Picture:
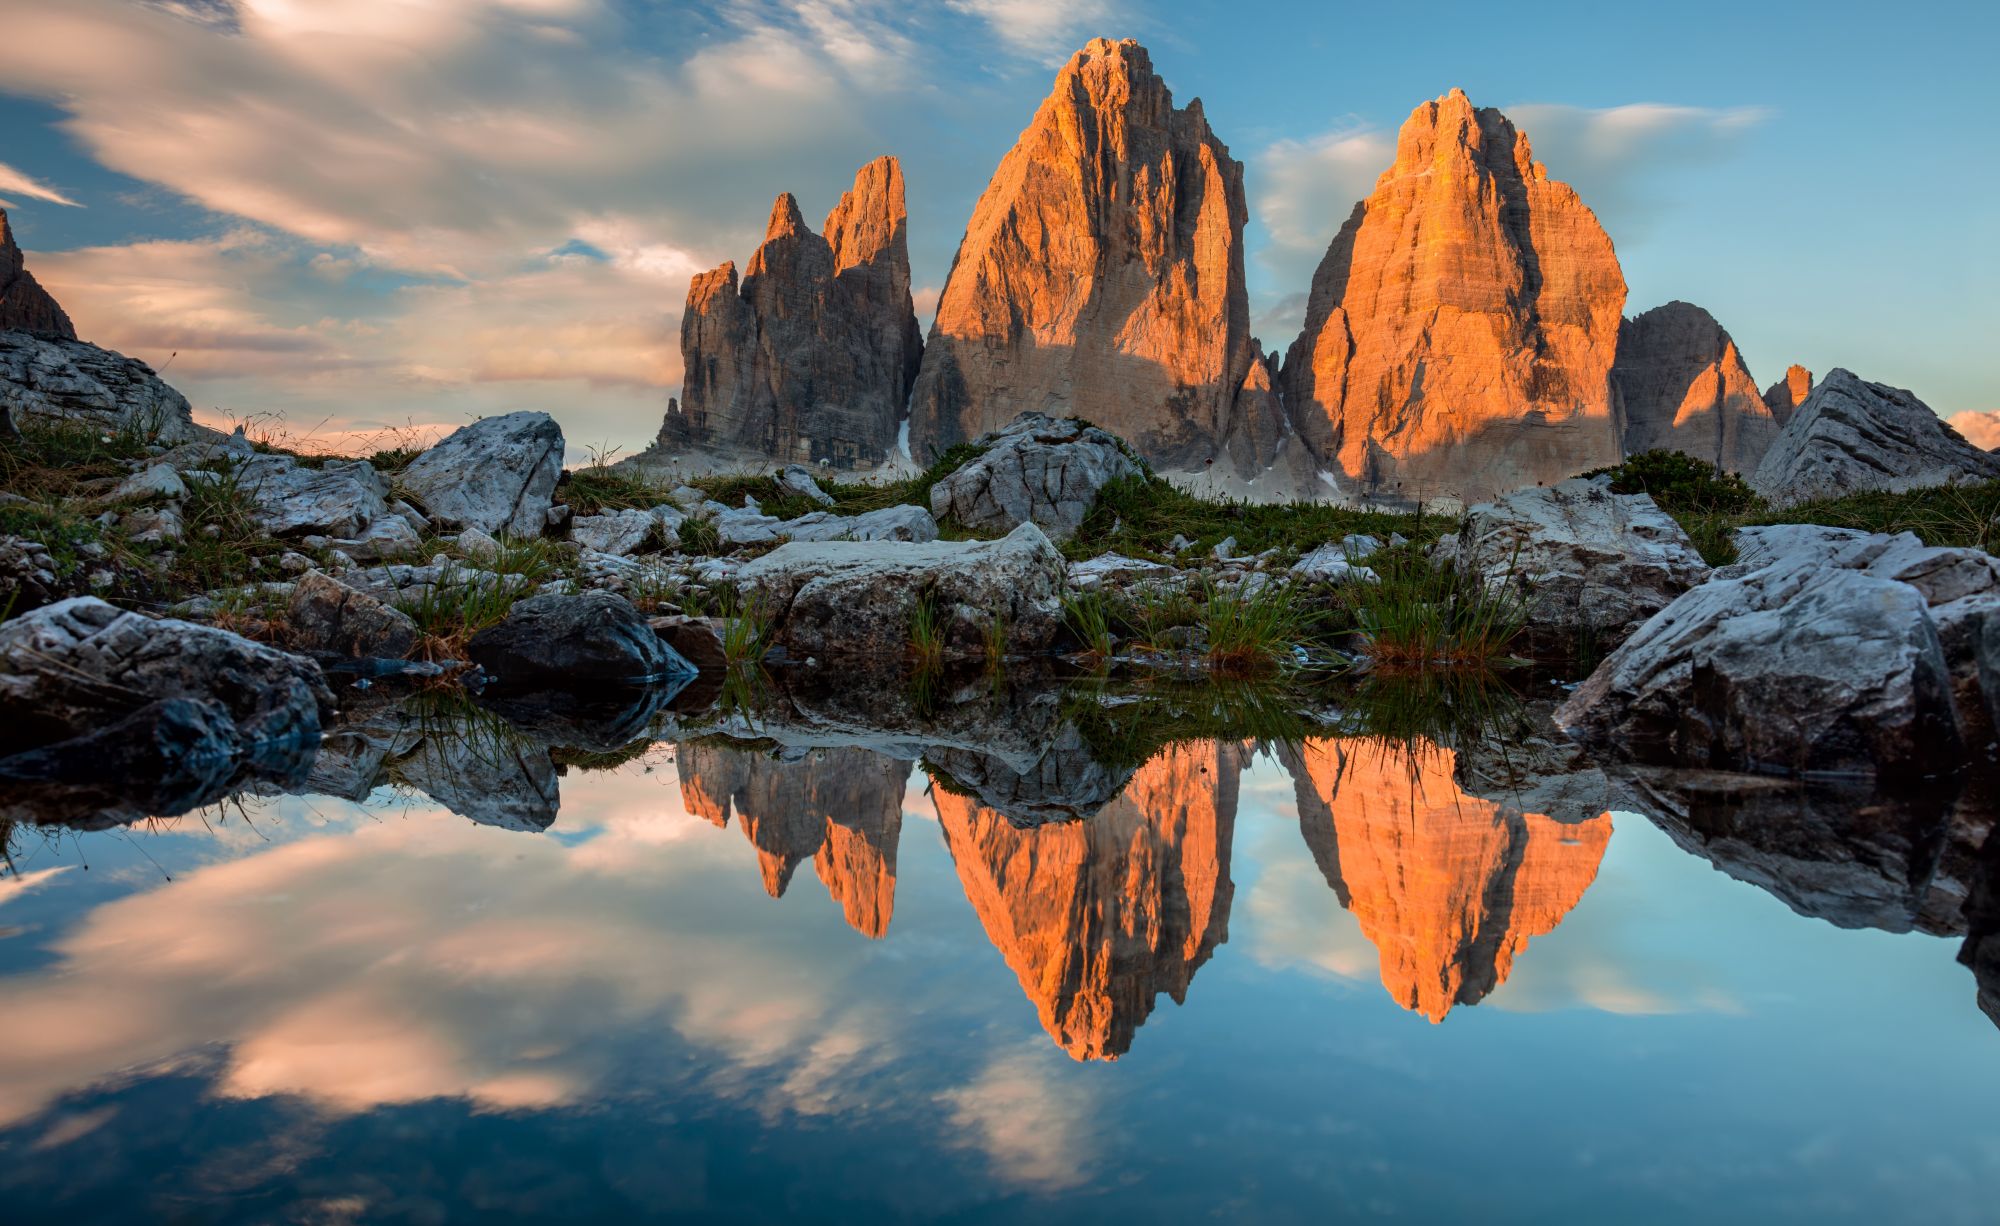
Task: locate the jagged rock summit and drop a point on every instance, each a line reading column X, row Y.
column 1685, row 388
column 1787, row 394
column 1851, row 435
column 811, row 355
column 1461, row 329
column 24, row 305
column 1101, row 275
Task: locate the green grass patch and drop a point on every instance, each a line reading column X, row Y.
column 1253, row 628
column 1421, row 614
column 1963, row 516
column 1140, row 516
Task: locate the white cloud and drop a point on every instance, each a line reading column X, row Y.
column 1047, row 30
column 21, row 183
column 1306, row 188
column 1980, row 428
column 1622, row 159
column 1030, row 1123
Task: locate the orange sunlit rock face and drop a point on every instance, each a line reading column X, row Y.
column 1101, row 274
column 1448, row 887
column 1788, row 393
column 840, row 808
column 1460, row 331
column 1098, row 916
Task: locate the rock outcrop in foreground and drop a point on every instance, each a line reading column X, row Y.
column 1685, row 388
column 1448, row 887
column 811, row 357
column 1035, row 471
column 1461, row 330
column 1102, row 275
column 1098, row 917
column 1851, row 435
column 24, row 305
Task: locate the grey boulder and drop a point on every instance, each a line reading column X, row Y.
column 1592, row 565
column 1851, row 435
column 76, row 665
column 327, row 616
column 557, row 640
column 341, row 499
column 630, row 531
column 498, row 475
column 850, row 598
column 898, row 523
column 1037, row 470
column 63, row 380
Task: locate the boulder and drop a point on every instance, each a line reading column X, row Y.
column 1460, row 331
column 849, row 598
column 1037, row 471
column 1102, row 273
column 1116, row 570
column 1850, row 436
column 899, row 523
column 328, row 617
column 562, row 640
column 498, row 475
column 1794, row 667
column 798, row 479
column 1338, row 561
column 698, row 640
column 628, row 531
column 28, row 571
column 1960, row 589
column 342, row 499
column 54, row 379
column 74, row 666
column 1592, row 564
column 156, row 481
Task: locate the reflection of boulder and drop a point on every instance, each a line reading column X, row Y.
column 478, row 768
column 1064, row 783
column 1097, row 917
column 842, row 808
column 1448, row 887
column 1838, row 850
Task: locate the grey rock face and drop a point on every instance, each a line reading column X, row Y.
column 799, row 480
column 489, row 776
column 1337, row 561
column 1117, row 570
column 698, row 640
column 1960, row 589
column 66, row 380
column 1595, row 564
column 556, row 640
column 79, row 664
column 1686, row 389
column 29, row 572
column 1850, row 435
column 1038, row 471
column 498, row 475
column 1798, row 666
column 328, row 616
column 846, row 598
column 1065, row 783
column 342, row 499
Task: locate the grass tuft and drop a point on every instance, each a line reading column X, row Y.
column 1253, row 628
column 1420, row 614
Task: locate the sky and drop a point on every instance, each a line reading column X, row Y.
column 334, row 218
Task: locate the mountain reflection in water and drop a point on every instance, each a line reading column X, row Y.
column 303, row 1007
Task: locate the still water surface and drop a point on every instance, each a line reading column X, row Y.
column 1264, row 985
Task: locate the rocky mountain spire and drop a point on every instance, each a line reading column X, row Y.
column 1685, row 388
column 811, row 355
column 24, row 305
column 1461, row 329
column 1788, row 393
column 1101, row 275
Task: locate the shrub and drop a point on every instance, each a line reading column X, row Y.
column 1140, row 516
column 1680, row 483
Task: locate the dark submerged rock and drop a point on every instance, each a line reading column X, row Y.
column 554, row 640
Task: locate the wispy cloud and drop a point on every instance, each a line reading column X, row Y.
column 1306, row 188
column 21, row 183
column 1047, row 30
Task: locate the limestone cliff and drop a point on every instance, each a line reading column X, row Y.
column 1448, row 887
column 1101, row 276
column 1098, row 916
column 1461, row 329
column 840, row 808
column 810, row 356
column 24, row 305
column 1685, row 388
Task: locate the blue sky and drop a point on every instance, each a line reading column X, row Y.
column 361, row 213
